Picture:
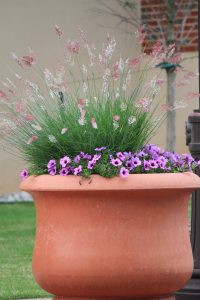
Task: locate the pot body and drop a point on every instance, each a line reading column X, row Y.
column 111, row 242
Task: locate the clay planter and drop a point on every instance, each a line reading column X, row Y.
column 112, row 238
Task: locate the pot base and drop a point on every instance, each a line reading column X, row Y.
column 76, row 298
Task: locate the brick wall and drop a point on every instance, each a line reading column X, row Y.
column 152, row 10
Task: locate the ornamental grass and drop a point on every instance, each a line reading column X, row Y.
column 91, row 118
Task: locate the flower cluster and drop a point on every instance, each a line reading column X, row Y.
column 150, row 159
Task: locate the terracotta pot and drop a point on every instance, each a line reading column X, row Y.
column 105, row 238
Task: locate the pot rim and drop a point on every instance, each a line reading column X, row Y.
column 158, row 181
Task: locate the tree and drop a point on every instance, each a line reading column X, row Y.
column 171, row 21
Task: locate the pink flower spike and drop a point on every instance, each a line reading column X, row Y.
column 28, row 60
column 192, row 95
column 81, row 103
column 116, row 118
column 29, row 118
column 157, row 49
column 134, row 61
column 160, row 81
column 116, row 71
column 18, row 107
column 93, row 123
column 3, row 95
column 143, row 103
column 82, row 117
column 73, row 47
column 32, row 139
column 141, row 34
column 176, row 59
column 58, row 31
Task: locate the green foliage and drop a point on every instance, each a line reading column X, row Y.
column 118, row 112
column 17, row 231
column 128, row 137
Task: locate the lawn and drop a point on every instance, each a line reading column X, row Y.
column 17, row 230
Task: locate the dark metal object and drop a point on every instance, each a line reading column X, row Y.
column 192, row 290
column 199, row 42
column 188, row 129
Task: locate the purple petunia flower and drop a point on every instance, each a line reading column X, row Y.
column 96, row 157
column 154, row 148
column 51, row 164
column 155, row 156
column 129, row 164
column 151, row 149
column 146, row 165
column 64, row 171
column 161, row 163
column 136, row 161
column 87, row 156
column 124, row 172
column 121, row 156
column 82, row 154
column 91, row 164
column 77, row 170
column 77, row 159
column 188, row 158
column 116, row 162
column 52, row 171
column 142, row 154
column 167, row 168
column 167, row 154
column 24, row 174
column 163, row 159
column 153, row 164
column 100, row 149
column 64, row 161
column 174, row 158
column 180, row 163
column 127, row 154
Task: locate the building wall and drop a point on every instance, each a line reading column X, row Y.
column 26, row 23
column 151, row 10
